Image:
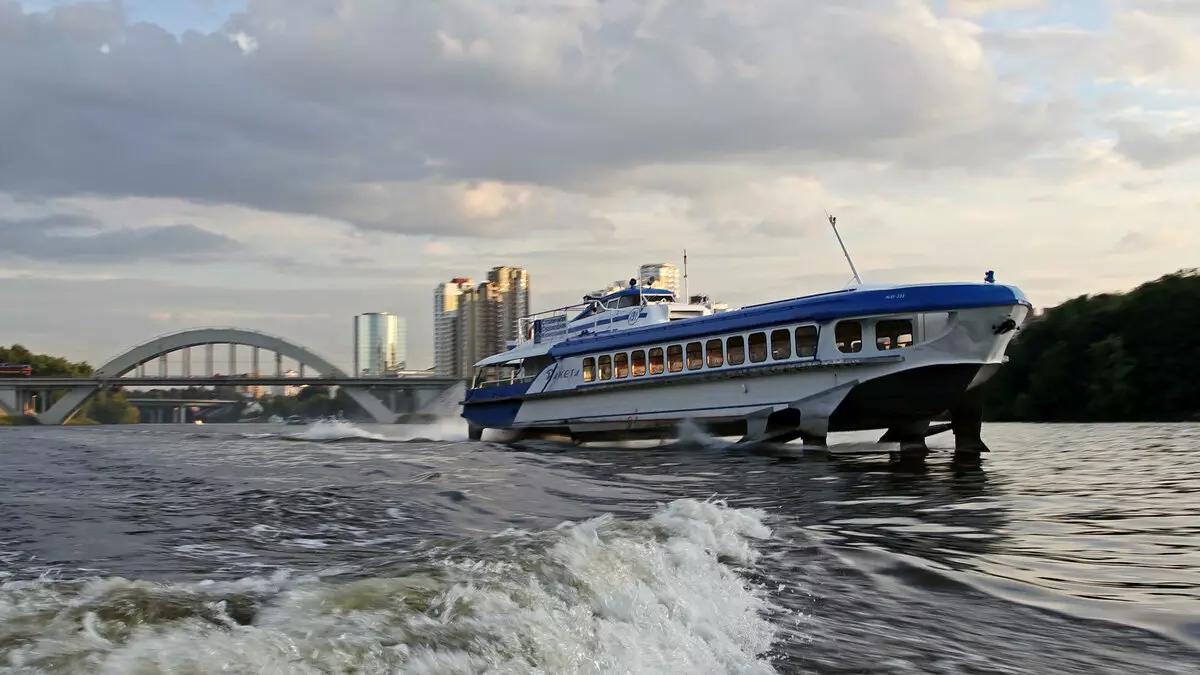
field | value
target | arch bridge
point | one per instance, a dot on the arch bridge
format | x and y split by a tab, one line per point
417	394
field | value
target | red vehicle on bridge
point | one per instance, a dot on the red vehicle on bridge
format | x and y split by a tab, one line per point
15	370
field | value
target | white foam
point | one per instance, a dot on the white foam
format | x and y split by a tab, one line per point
334	430
446	429
691	433
600	596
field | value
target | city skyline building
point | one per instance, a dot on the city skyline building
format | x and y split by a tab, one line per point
472	322
447	299
665	275
380	343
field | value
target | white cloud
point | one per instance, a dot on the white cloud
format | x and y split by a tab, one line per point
975	8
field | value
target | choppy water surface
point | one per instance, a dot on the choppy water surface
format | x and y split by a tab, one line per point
340	549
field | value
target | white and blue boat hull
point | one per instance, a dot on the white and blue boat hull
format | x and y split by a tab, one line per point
959	333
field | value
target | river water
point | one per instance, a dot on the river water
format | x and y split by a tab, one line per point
365	549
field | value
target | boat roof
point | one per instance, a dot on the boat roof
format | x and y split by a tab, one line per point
847	303
636	290
521	351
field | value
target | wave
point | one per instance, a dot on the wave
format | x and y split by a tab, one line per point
334	430
667	594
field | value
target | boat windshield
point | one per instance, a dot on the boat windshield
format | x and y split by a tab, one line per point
512	372
495	375
624	301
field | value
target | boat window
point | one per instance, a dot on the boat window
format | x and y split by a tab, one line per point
893	334
806	341
758	347
621	365
674	358
638	362
716	357
781	344
656	361
736	350
605	367
848	335
695	356
533	366
589	369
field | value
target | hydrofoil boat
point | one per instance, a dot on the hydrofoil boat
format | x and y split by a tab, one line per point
635	363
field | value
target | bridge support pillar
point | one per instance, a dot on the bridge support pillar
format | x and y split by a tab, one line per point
371	404
68	405
11	401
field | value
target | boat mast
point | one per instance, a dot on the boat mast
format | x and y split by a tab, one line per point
686	298
833	224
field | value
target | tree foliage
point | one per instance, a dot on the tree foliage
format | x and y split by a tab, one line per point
1113	357
44	365
110	407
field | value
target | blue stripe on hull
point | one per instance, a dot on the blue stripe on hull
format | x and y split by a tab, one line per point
494	407
849	303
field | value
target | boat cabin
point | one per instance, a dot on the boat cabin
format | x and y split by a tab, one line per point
626	309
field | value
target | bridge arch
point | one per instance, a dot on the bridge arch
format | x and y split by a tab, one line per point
160	346
166	344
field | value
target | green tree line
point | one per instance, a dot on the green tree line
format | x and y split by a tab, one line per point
1113	357
43	364
106	407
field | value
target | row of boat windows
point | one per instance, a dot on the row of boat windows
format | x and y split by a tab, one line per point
715	353
779	345
889	334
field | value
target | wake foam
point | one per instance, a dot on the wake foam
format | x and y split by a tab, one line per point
661	596
334	430
692	434
331	431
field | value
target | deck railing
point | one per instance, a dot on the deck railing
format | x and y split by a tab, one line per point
547	327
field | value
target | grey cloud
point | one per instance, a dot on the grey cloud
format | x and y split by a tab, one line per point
1154	150
68	238
376	112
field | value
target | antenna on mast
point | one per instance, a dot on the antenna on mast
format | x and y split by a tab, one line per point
686	297
833	224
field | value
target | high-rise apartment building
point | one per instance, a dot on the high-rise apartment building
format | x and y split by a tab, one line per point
474	322
510	288
665	275
447	300
380	342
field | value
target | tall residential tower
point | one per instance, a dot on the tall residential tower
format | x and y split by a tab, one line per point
665	275
447	300
380	344
473	322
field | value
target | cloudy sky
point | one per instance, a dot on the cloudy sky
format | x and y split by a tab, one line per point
284	164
